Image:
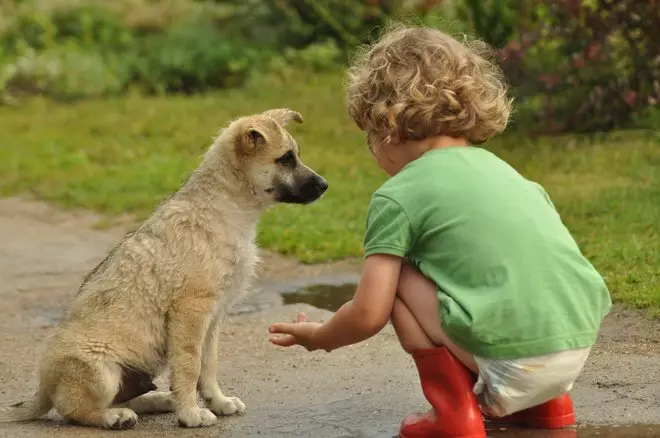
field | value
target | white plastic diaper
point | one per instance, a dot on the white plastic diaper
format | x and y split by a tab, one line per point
508	386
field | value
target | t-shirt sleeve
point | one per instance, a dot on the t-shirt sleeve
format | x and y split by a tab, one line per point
388	228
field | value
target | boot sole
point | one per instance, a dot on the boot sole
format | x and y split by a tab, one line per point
462	436
541	423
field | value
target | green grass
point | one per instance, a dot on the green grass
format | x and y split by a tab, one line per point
127	154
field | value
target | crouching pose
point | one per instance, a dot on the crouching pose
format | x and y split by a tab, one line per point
483	283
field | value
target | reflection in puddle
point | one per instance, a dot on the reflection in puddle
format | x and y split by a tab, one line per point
636	431
324	296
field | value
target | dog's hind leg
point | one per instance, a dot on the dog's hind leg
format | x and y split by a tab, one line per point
151	403
85	391
214	399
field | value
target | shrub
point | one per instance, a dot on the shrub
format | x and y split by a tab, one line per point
90	25
293	63
193	58
493	21
317	57
595	64
298	24
63	73
647	118
157	16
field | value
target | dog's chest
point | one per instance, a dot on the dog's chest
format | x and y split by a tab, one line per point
246	258
234	268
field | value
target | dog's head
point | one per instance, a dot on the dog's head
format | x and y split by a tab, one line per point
270	158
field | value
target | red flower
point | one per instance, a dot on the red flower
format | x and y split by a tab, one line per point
630	98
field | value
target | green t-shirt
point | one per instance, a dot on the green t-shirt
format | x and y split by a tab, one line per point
512	281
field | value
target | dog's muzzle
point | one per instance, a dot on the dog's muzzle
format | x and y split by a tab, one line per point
313	189
309	191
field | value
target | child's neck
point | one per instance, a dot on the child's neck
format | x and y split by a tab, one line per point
420	147
395	156
442	141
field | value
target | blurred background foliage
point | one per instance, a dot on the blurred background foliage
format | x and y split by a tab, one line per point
574	65
108	105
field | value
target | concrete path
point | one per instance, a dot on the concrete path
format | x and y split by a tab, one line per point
359	391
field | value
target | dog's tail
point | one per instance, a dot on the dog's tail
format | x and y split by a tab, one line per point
26	410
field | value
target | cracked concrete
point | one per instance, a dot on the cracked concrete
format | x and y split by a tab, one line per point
360	391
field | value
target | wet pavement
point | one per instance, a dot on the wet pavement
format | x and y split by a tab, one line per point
331	296
637	431
323	296
361	391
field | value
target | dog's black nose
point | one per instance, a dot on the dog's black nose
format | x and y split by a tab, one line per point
313	188
323	186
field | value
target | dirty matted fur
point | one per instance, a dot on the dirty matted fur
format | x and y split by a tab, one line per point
158	297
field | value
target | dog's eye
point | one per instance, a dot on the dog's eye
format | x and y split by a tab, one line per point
287	159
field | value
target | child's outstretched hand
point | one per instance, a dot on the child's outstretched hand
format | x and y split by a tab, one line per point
298	333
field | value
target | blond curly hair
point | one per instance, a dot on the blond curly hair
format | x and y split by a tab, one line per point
415	83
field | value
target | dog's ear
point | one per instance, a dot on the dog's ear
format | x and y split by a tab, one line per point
284	115
253	138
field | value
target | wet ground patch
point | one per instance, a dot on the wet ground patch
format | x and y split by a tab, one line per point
322	296
328	292
632	431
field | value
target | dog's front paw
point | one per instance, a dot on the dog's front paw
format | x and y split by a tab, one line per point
196	417
226	405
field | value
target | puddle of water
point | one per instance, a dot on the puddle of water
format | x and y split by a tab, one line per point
323	296
635	431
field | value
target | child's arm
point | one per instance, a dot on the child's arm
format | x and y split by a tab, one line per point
359	319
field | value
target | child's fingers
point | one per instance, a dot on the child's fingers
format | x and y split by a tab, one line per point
283	328
284	341
287	327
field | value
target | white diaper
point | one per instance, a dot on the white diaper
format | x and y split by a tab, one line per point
508	386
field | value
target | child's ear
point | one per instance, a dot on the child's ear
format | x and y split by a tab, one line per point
252	139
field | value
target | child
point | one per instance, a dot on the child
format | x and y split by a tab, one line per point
484	285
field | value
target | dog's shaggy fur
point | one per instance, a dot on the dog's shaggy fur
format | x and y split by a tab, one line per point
158	297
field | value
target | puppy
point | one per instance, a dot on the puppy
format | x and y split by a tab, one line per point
158	297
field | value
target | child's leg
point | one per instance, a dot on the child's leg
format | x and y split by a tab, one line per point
442	366
416	318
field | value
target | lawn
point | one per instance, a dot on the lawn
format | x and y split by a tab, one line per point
127	154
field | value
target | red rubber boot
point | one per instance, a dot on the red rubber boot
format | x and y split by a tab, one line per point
447	385
555	414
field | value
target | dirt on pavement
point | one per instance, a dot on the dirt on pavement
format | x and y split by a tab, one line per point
359	391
